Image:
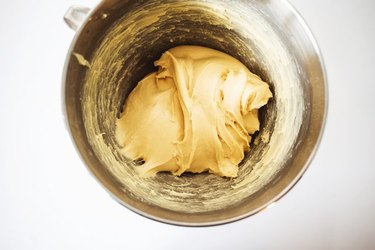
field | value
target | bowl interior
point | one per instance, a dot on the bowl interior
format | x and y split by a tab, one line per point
121	40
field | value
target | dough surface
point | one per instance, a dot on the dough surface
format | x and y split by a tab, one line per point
195	114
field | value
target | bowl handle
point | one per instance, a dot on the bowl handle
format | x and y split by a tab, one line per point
75	16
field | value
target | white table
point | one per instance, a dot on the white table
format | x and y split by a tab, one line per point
49	201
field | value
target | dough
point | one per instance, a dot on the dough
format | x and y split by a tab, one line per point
195	114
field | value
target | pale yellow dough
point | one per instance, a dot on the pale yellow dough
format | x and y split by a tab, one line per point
195	114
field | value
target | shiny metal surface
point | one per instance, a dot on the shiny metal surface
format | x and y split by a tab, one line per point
292	31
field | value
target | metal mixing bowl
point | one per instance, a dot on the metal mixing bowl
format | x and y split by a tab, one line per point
121	39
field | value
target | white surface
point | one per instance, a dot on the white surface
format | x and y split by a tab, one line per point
49	201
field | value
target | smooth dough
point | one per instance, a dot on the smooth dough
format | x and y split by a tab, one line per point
195	114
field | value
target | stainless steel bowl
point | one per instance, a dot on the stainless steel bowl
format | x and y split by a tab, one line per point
115	47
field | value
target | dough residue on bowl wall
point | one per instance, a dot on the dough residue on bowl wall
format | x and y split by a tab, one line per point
127	46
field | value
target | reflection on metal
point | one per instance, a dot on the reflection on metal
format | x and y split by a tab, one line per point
75	15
